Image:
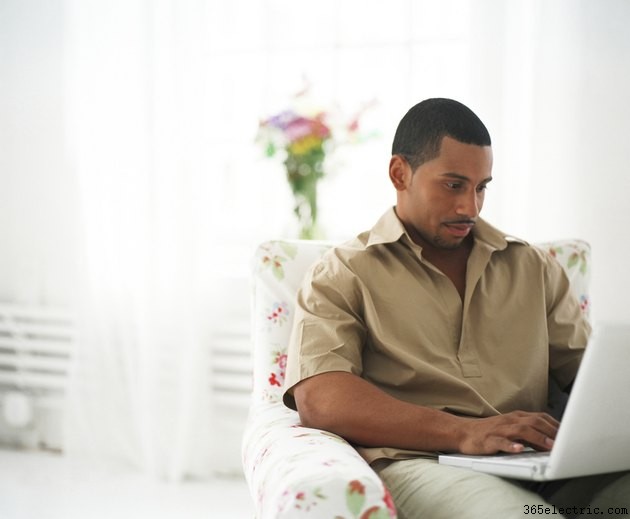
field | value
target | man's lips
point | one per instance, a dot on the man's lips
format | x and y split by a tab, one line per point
459	229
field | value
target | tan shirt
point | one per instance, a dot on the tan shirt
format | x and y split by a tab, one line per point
374	307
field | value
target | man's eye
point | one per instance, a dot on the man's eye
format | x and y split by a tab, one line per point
482	188
453	185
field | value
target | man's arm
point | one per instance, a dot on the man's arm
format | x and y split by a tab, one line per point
355	409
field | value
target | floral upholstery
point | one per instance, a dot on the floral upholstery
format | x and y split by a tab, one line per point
575	257
294	471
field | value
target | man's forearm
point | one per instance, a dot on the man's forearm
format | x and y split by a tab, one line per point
357	410
363	414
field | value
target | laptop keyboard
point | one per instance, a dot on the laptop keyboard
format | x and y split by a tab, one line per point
536	455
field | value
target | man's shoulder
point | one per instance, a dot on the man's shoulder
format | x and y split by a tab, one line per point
514	252
357	260
510	243
351	253
530	259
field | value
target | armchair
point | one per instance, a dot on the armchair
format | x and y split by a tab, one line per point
294	471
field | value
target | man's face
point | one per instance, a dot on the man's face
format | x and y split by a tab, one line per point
439	203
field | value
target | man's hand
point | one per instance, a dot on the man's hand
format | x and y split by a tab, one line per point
510	432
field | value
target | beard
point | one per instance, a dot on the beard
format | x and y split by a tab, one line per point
440	238
440	243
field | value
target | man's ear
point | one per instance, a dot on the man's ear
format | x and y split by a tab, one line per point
399	172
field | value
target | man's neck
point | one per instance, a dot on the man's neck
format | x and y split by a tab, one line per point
448	254
451	262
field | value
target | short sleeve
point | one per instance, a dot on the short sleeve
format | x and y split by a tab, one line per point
328	330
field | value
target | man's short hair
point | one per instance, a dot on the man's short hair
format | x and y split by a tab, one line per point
420	132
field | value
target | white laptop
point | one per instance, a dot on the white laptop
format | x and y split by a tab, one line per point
594	435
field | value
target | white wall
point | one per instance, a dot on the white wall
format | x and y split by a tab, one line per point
560	134
560	138
602	175
37	204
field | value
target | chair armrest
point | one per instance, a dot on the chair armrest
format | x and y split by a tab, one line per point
292	470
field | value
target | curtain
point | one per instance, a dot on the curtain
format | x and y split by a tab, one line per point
140	387
162	101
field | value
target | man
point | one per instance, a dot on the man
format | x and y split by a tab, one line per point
436	332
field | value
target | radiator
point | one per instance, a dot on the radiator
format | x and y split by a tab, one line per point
36	345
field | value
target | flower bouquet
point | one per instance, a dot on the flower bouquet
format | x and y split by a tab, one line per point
303	136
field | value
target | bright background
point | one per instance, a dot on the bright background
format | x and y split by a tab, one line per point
131	187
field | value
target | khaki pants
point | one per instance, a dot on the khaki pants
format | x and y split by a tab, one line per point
423	489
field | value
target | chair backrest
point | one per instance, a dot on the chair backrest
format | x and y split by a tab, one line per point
575	258
279	267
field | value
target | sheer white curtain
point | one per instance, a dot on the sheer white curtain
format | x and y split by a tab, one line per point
163	99
525	77
140	385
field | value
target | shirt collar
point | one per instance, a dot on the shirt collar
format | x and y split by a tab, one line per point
390	229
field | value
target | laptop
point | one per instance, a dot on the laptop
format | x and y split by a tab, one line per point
594	435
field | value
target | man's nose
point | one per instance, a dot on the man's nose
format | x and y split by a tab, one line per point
469	205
